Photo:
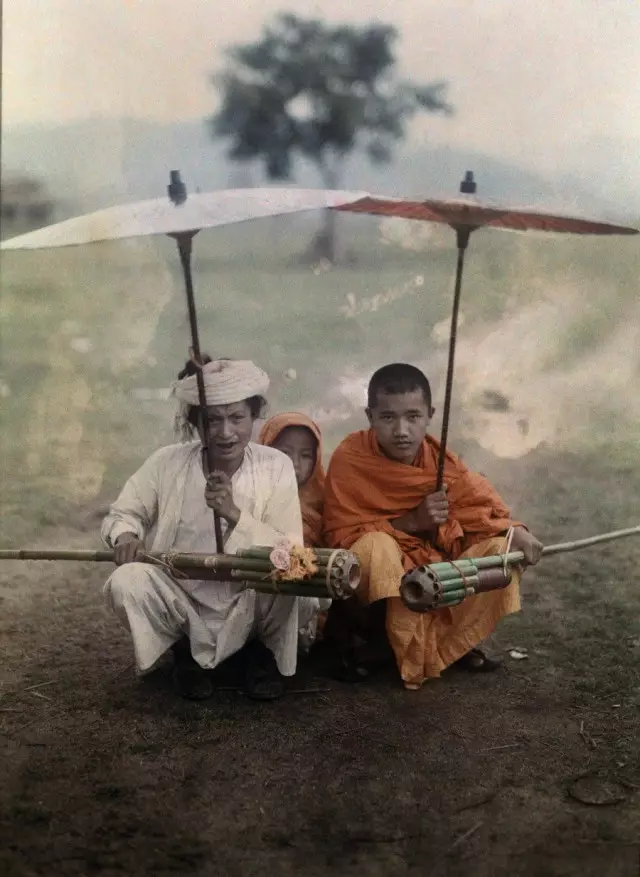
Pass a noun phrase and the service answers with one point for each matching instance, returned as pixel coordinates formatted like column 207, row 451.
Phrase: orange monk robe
column 364, row 492
column 311, row 494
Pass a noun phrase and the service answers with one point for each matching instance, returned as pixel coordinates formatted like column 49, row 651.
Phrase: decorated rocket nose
column 176, row 188
column 468, row 185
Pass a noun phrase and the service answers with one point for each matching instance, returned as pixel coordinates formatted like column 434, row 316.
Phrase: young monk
column 381, row 503
column 297, row 436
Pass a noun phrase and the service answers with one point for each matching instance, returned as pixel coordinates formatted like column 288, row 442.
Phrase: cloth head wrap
column 225, row 381
column 311, row 494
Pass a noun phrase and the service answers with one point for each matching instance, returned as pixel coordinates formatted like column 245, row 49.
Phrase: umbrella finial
column 468, row 185
column 176, row 188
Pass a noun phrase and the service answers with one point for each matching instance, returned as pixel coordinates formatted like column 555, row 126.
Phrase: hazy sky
column 532, row 79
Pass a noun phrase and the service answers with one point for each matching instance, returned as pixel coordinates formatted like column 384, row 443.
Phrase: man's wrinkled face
column 300, row 445
column 400, row 422
column 230, row 428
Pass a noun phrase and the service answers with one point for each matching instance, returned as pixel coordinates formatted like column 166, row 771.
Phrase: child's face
column 300, row 445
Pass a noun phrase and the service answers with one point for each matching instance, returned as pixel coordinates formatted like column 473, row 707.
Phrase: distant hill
column 98, row 162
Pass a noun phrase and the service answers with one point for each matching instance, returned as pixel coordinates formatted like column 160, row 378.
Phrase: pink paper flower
column 280, row 557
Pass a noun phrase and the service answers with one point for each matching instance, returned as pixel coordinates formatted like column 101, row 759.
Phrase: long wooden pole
column 462, row 234
column 186, row 559
column 185, row 244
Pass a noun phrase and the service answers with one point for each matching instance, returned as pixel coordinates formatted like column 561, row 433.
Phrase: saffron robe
column 364, row 492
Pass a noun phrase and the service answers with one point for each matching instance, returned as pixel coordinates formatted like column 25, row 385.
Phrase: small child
column 297, row 436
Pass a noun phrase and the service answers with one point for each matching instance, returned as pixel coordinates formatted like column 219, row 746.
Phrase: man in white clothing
column 254, row 491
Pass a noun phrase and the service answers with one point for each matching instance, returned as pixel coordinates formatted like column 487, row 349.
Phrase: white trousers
column 158, row 612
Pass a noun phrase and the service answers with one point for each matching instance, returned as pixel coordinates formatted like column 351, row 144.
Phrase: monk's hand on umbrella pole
column 526, row 542
column 128, row 548
column 433, row 510
column 218, row 495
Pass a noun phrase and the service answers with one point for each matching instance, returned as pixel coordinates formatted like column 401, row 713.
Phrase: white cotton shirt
column 264, row 489
column 167, row 493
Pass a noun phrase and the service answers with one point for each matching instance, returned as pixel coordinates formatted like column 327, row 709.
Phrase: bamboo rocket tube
column 336, row 575
column 428, row 588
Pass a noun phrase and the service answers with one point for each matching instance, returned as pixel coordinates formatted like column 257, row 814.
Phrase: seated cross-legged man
column 253, row 489
column 381, row 503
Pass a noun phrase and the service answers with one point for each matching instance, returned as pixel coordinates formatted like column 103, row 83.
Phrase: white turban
column 225, row 381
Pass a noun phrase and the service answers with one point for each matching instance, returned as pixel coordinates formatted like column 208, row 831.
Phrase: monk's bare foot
column 476, row 661
column 262, row 679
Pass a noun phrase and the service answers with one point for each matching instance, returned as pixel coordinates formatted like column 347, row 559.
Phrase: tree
column 305, row 89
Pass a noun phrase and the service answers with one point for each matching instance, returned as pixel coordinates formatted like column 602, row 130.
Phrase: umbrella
column 181, row 217
column 465, row 215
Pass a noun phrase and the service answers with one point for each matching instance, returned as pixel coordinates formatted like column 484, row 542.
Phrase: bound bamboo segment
column 57, row 554
column 327, row 573
column 447, row 583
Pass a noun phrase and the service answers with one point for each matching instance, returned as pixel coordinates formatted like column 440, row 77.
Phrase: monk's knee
column 376, row 543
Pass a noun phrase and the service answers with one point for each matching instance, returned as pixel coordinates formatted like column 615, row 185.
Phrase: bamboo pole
column 440, row 566
column 57, row 554
column 335, row 582
column 443, row 576
column 213, row 561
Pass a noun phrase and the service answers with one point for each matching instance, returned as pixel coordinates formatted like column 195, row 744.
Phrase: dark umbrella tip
column 468, row 185
column 176, row 189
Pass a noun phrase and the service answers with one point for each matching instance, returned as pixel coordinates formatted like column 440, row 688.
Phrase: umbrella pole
column 462, row 233
column 185, row 242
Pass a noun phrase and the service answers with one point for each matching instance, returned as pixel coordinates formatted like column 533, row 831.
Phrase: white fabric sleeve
column 136, row 508
column 282, row 517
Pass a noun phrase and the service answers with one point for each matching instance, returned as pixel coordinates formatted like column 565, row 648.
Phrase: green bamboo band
column 456, row 584
column 455, row 597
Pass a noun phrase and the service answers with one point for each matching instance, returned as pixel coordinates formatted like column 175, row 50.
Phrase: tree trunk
column 325, row 246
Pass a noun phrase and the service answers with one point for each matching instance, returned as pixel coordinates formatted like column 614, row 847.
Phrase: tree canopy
column 309, row 89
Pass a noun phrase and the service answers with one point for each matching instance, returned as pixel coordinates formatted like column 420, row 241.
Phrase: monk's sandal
column 190, row 680
column 476, row 661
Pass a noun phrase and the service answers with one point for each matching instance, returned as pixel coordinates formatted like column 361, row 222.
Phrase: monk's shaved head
column 396, row 379
column 399, row 410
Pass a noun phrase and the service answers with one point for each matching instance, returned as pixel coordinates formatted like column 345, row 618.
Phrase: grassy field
column 106, row 775
column 82, row 328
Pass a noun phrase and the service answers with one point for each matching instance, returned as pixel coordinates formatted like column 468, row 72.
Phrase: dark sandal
column 189, row 679
column 262, row 679
column 349, row 669
column 476, row 661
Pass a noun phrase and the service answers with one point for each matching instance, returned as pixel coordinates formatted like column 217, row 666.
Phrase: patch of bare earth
column 107, row 774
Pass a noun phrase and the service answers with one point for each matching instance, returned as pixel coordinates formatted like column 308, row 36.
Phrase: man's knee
column 128, row 583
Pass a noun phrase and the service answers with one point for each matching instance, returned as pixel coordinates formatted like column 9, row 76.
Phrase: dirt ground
column 107, row 774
